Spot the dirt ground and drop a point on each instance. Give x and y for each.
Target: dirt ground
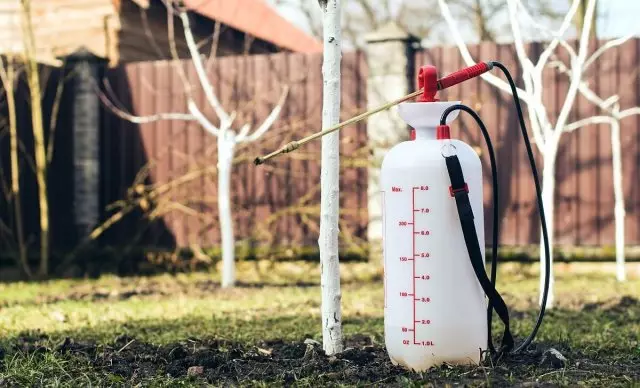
(284, 363)
(186, 331)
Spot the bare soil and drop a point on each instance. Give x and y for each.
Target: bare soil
(221, 362)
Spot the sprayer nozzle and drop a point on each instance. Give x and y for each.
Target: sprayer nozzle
(258, 161)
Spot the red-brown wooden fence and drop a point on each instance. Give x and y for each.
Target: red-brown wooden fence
(250, 85)
(277, 205)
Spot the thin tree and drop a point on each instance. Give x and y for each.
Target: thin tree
(547, 132)
(8, 77)
(35, 93)
(227, 137)
(330, 179)
(14, 66)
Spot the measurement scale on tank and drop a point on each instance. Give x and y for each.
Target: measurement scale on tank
(417, 256)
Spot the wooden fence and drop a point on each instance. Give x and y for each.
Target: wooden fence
(278, 204)
(275, 204)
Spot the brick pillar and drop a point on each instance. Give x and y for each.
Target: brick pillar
(390, 55)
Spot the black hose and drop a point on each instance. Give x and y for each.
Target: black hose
(494, 184)
(536, 180)
(543, 219)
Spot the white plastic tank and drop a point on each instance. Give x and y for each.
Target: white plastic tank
(435, 309)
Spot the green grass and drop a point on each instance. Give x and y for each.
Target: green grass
(595, 324)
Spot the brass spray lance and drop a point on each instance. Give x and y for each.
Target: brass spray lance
(428, 84)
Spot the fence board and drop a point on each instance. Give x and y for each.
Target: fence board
(630, 134)
(277, 205)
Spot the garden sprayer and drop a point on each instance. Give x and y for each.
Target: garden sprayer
(435, 280)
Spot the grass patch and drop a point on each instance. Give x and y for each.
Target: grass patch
(150, 330)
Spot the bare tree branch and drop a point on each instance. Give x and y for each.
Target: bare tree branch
(588, 121)
(629, 112)
(268, 122)
(578, 68)
(468, 59)
(171, 35)
(148, 34)
(141, 119)
(213, 53)
(532, 82)
(609, 45)
(557, 36)
(202, 120)
(53, 120)
(590, 95)
(200, 70)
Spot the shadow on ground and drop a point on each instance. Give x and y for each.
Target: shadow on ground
(151, 288)
(597, 340)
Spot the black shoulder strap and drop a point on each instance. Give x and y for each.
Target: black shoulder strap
(460, 191)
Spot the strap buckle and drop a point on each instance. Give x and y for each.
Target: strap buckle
(453, 192)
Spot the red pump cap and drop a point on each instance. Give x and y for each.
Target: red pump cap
(428, 79)
(443, 132)
(412, 134)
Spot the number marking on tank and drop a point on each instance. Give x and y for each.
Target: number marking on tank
(384, 252)
(417, 234)
(413, 240)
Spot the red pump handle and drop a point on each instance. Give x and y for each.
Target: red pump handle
(463, 75)
(429, 82)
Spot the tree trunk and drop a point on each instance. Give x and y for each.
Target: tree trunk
(329, 182)
(226, 147)
(548, 191)
(8, 81)
(33, 78)
(618, 192)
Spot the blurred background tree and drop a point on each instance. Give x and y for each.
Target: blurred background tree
(481, 20)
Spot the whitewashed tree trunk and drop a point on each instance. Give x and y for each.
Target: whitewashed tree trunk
(226, 148)
(329, 182)
(619, 212)
(548, 190)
